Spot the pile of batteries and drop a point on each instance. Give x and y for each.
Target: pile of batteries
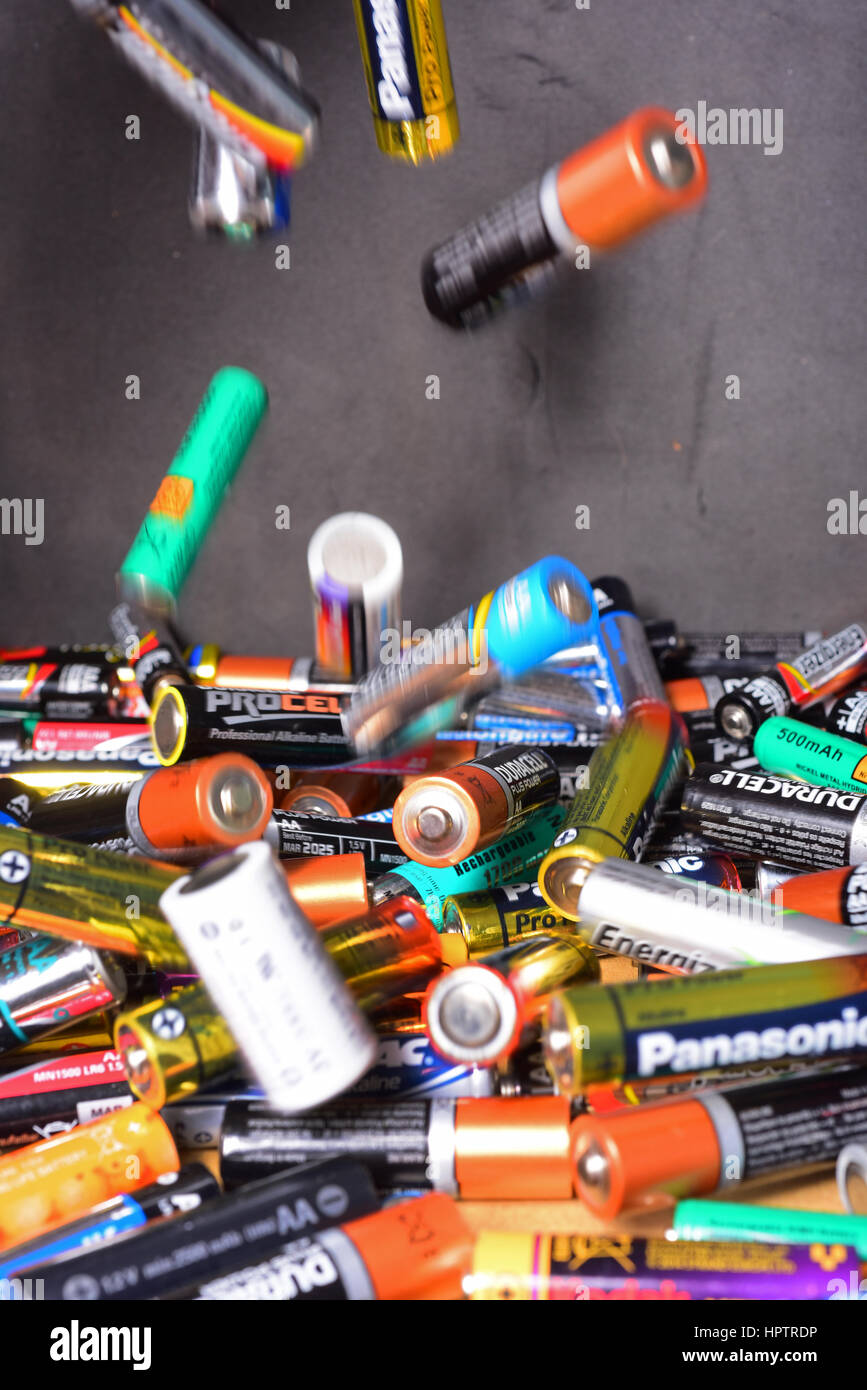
(367, 933)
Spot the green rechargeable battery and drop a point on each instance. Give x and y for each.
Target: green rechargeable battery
(698, 1220)
(794, 749)
(191, 493)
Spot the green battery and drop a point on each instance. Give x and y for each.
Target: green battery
(695, 1023)
(191, 493)
(172, 1047)
(794, 749)
(698, 1220)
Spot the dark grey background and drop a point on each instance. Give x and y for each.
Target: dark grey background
(583, 398)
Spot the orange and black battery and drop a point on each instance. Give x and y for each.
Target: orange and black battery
(177, 812)
(441, 819)
(690, 694)
(337, 794)
(599, 197)
(328, 887)
(486, 1148)
(52, 1096)
(209, 666)
(837, 895)
(59, 683)
(147, 644)
(277, 727)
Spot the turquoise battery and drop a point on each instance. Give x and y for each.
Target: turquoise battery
(794, 749)
(543, 610)
(697, 1220)
(192, 491)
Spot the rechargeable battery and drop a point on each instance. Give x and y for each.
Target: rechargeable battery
(849, 716)
(507, 1265)
(838, 895)
(356, 572)
(190, 495)
(690, 1146)
(515, 627)
(629, 779)
(822, 670)
(110, 901)
(171, 1048)
(642, 1031)
(58, 684)
(504, 861)
(293, 835)
(240, 1227)
(488, 1148)
(726, 654)
(274, 727)
(45, 984)
(480, 1013)
(270, 976)
(52, 1096)
(596, 199)
(344, 794)
(695, 1219)
(793, 749)
(492, 921)
(56, 1180)
(770, 817)
(444, 817)
(409, 80)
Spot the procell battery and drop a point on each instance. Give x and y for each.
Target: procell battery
(822, 670)
(596, 199)
(295, 1022)
(52, 1096)
(491, 921)
(110, 901)
(504, 861)
(772, 818)
(298, 730)
(515, 627)
(508, 1266)
(59, 685)
(849, 716)
(170, 1048)
(243, 1226)
(641, 1031)
(294, 835)
(356, 572)
(793, 749)
(480, 1012)
(687, 1147)
(192, 491)
(695, 1219)
(688, 927)
(444, 817)
(728, 654)
(838, 895)
(45, 984)
(629, 780)
(409, 80)
(486, 1148)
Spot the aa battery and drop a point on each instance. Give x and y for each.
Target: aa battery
(356, 572)
(274, 727)
(628, 781)
(170, 1048)
(222, 1233)
(851, 1172)
(479, 1013)
(838, 895)
(45, 984)
(192, 491)
(692, 694)
(728, 654)
(849, 716)
(627, 662)
(345, 794)
(792, 749)
(770, 817)
(717, 870)
(510, 1266)
(823, 669)
(45, 769)
(688, 1147)
(405, 700)
(409, 79)
(488, 1148)
(88, 736)
(268, 973)
(688, 927)
(641, 1031)
(443, 818)
(58, 685)
(492, 921)
(110, 901)
(17, 802)
(328, 888)
(504, 861)
(596, 199)
(295, 835)
(408, 1068)
(695, 1219)
(55, 1180)
(210, 666)
(391, 951)
(148, 643)
(49, 1097)
(539, 699)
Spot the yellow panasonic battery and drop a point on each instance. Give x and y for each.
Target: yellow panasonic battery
(409, 79)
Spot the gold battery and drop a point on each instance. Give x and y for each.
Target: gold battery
(172, 1047)
(628, 780)
(492, 921)
(409, 80)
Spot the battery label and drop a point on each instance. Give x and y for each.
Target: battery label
(798, 1125)
(770, 694)
(85, 1069)
(527, 779)
(854, 897)
(828, 659)
(296, 835)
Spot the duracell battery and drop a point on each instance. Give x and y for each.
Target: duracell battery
(769, 817)
(345, 794)
(58, 685)
(45, 984)
(293, 836)
(274, 727)
(241, 1227)
(420, 1250)
(487, 1148)
(52, 1096)
(441, 819)
(725, 654)
(849, 716)
(176, 812)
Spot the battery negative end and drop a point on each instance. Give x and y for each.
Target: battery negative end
(736, 722)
